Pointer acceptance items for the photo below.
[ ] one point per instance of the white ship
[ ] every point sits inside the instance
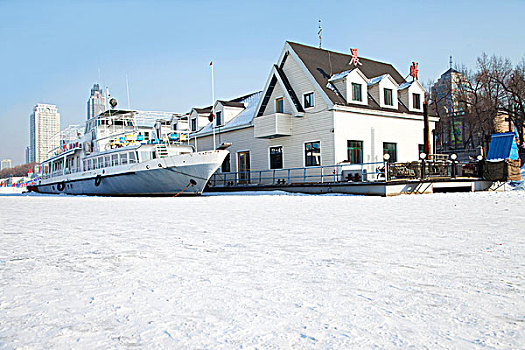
(130, 153)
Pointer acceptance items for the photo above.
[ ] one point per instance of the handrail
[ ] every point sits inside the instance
(343, 172)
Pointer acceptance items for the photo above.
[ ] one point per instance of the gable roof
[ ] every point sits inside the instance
(231, 103)
(324, 64)
(205, 110)
(277, 76)
(244, 118)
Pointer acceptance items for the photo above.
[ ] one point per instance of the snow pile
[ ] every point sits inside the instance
(271, 271)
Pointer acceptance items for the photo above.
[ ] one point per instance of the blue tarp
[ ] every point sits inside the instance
(503, 146)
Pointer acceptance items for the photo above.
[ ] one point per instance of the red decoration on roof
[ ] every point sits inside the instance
(414, 70)
(355, 59)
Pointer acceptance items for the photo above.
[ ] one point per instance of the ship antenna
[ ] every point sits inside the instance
(127, 89)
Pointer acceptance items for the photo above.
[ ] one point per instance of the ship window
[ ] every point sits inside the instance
(85, 164)
(146, 135)
(145, 156)
(132, 157)
(114, 159)
(124, 158)
(90, 164)
(107, 162)
(100, 162)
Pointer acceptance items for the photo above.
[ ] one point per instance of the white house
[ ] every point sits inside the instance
(319, 107)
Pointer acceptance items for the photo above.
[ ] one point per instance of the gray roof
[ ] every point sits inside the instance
(232, 104)
(324, 64)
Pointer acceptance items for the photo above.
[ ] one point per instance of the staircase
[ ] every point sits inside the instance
(162, 151)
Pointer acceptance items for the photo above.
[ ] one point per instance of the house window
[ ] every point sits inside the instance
(388, 97)
(218, 119)
(390, 148)
(225, 168)
(279, 105)
(194, 124)
(356, 92)
(355, 152)
(309, 100)
(416, 101)
(312, 153)
(276, 157)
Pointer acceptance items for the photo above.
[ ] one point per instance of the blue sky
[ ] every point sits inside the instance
(52, 51)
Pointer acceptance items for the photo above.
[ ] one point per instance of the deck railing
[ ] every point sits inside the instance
(345, 172)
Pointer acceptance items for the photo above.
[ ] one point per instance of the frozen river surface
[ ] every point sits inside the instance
(273, 271)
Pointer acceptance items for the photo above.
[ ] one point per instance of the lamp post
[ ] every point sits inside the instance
(386, 157)
(453, 156)
(480, 165)
(422, 156)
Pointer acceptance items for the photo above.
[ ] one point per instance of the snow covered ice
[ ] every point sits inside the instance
(266, 271)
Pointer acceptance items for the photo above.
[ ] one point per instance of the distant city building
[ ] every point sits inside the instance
(5, 164)
(44, 127)
(450, 130)
(456, 132)
(28, 154)
(96, 103)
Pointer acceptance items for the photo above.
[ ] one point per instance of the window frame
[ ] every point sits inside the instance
(218, 118)
(348, 150)
(393, 155)
(305, 156)
(309, 93)
(277, 99)
(354, 85)
(389, 94)
(418, 107)
(270, 157)
(227, 160)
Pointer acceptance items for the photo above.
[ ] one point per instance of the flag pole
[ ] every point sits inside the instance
(212, 105)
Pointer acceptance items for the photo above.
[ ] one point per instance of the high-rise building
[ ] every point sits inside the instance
(28, 154)
(96, 103)
(5, 164)
(44, 126)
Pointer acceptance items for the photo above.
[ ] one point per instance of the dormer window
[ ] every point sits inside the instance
(309, 100)
(416, 101)
(218, 118)
(389, 101)
(193, 124)
(357, 92)
(279, 105)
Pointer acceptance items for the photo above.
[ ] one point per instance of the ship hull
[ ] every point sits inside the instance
(178, 175)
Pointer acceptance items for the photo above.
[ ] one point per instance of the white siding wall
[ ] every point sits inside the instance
(242, 140)
(301, 85)
(406, 133)
(230, 112)
(277, 92)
